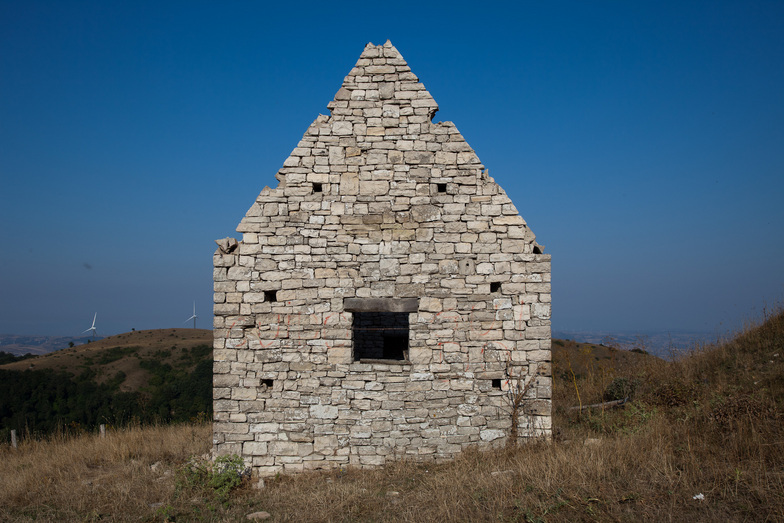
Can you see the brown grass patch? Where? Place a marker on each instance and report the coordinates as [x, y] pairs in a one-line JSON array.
[[89, 478]]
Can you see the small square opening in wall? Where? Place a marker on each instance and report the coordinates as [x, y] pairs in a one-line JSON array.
[[267, 383], [441, 187], [317, 187], [380, 336], [270, 296], [496, 383], [495, 286]]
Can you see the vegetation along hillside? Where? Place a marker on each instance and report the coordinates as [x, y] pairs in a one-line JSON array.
[[700, 438], [143, 376]]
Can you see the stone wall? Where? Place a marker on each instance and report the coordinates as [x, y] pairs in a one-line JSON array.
[[378, 209]]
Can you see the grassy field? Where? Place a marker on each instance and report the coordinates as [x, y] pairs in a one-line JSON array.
[[700, 438]]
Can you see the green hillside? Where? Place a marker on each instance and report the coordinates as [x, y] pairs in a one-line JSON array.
[[144, 376]]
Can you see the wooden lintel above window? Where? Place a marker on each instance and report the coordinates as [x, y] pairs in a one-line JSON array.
[[381, 304]]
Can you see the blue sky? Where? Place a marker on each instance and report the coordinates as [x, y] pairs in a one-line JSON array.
[[642, 141]]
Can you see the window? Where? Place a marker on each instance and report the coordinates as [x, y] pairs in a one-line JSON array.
[[441, 187], [495, 286], [317, 187], [270, 295], [380, 335], [380, 328]]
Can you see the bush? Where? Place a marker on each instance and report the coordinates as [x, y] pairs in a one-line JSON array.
[[619, 389], [218, 478]]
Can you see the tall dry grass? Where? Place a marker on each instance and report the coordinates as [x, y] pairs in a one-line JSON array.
[[707, 424], [120, 477]]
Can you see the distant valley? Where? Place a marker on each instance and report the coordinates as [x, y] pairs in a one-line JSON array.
[[665, 345], [19, 345]]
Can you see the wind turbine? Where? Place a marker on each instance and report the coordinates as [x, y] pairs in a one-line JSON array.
[[93, 327], [192, 317]]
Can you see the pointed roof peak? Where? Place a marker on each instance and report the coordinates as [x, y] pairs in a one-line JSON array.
[[387, 50], [382, 78]]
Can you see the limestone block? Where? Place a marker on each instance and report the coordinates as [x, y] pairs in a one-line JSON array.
[[342, 128], [326, 445], [380, 69], [448, 267], [243, 393], [283, 448], [485, 268], [225, 380], [389, 267], [418, 157], [491, 434], [386, 90], [222, 309], [419, 355], [428, 304], [323, 411], [239, 273], [538, 333], [445, 158], [425, 213], [373, 188], [540, 310], [254, 448], [418, 386], [538, 355], [230, 428]]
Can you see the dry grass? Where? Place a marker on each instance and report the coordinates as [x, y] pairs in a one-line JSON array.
[[709, 423], [91, 478]]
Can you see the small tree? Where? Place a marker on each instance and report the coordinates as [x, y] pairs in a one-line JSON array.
[[518, 388]]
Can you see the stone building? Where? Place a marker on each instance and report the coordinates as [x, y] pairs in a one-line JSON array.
[[386, 301]]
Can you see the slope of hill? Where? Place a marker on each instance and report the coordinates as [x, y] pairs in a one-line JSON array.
[[106, 357], [19, 344], [162, 375], [664, 344]]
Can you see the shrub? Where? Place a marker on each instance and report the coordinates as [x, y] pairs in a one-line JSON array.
[[620, 388], [218, 478]]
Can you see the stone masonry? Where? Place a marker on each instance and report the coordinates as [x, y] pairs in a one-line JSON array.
[[386, 301]]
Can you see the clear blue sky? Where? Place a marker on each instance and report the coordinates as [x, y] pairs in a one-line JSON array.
[[642, 141]]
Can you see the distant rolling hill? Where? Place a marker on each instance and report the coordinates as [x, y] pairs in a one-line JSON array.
[[122, 353], [664, 344], [18, 345], [582, 358], [145, 376]]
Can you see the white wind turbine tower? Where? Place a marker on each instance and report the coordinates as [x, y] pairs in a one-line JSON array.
[[192, 317], [92, 328]]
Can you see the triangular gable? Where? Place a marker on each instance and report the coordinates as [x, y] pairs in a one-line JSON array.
[[378, 141]]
